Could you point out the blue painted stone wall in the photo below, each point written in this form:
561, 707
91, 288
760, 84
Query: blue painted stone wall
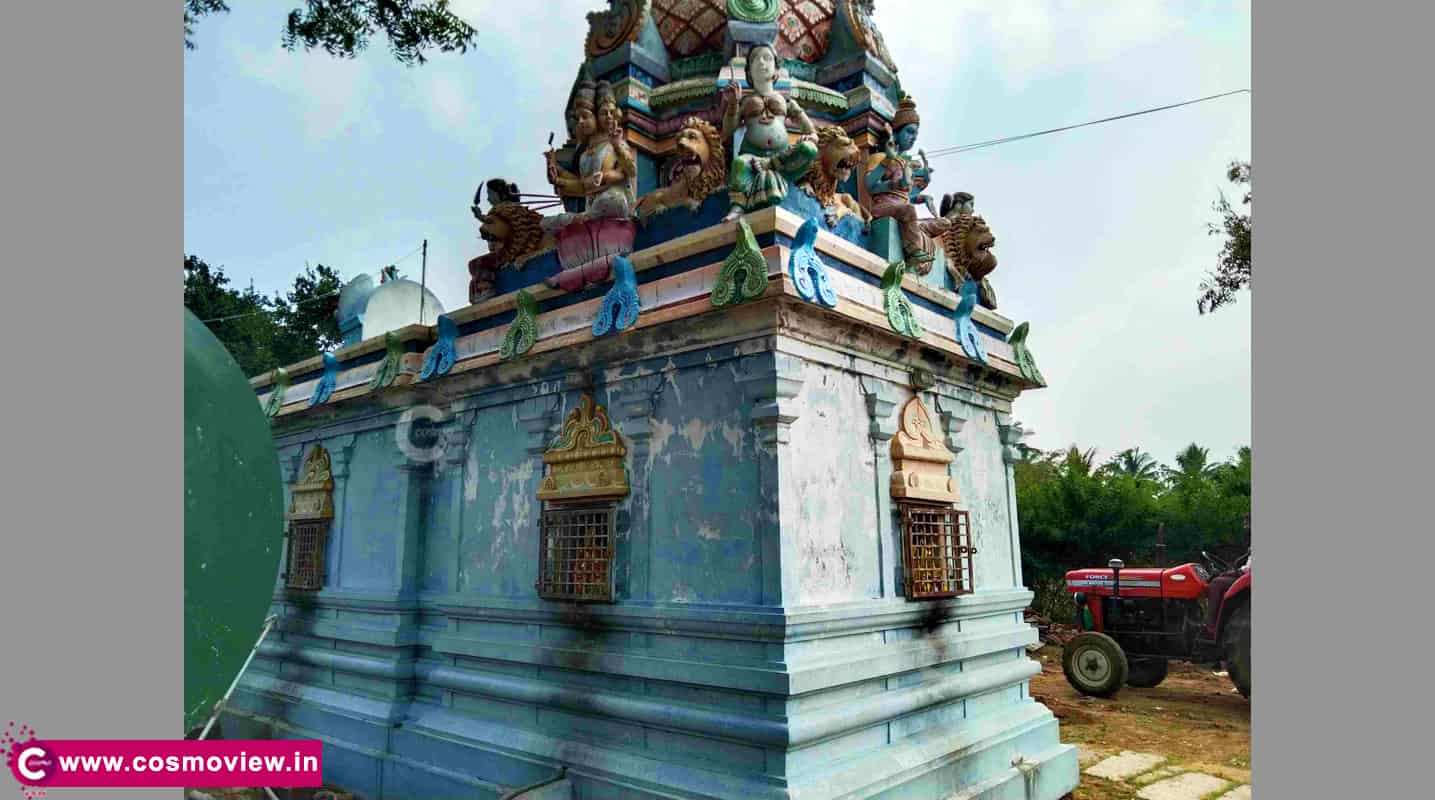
760, 646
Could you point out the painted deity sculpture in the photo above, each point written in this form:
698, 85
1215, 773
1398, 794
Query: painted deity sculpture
921, 179
766, 161
836, 157
892, 186
589, 240
699, 169
607, 167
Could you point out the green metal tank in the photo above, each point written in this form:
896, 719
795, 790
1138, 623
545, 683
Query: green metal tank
233, 520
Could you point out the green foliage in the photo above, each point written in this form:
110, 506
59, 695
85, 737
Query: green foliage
343, 28
193, 10
305, 317
261, 332
239, 319
1073, 514
1233, 269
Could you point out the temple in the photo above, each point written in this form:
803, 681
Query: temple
708, 491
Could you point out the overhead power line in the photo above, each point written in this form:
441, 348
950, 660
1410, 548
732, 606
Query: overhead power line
966, 148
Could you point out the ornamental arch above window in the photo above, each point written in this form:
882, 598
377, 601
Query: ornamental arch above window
937, 552
585, 481
311, 510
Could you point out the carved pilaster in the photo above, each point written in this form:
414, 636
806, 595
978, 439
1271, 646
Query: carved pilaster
1011, 433
881, 407
949, 411
636, 406
341, 450
881, 402
456, 436
537, 416
772, 383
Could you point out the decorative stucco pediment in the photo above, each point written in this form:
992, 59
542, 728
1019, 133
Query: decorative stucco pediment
585, 462
920, 458
312, 496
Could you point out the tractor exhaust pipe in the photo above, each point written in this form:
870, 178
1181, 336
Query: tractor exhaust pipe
1116, 566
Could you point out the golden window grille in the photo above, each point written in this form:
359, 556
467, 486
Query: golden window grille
936, 550
576, 553
305, 569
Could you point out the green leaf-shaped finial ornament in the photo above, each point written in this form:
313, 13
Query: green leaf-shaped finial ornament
746, 261
899, 309
1024, 360
389, 369
523, 331
275, 400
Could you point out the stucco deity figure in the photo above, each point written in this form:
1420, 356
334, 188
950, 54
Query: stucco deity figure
607, 167
893, 185
766, 161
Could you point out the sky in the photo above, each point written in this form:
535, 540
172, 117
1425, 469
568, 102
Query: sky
294, 158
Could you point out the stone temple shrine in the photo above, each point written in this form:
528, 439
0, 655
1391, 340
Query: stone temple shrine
708, 491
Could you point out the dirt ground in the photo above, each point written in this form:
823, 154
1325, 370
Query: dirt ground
1195, 718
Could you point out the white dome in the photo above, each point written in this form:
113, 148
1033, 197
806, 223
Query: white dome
395, 304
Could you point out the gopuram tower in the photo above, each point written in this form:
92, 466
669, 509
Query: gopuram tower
708, 492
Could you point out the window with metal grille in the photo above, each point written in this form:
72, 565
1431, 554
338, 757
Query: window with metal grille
936, 550
576, 553
306, 554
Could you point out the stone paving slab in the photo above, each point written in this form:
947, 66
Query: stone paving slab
1188, 786
1238, 793
1086, 756
1124, 765
1156, 775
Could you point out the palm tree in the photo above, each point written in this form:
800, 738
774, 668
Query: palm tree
1135, 463
1079, 461
1191, 463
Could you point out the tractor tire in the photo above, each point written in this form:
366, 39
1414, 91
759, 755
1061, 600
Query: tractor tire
1237, 646
1146, 673
1094, 664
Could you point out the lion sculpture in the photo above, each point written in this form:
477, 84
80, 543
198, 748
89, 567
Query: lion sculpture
968, 243
699, 170
514, 234
836, 157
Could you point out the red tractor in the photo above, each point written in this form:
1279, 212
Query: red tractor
1133, 621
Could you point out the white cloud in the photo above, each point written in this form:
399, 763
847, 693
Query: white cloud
332, 92
1021, 40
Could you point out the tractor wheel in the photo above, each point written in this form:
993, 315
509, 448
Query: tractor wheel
1094, 664
1145, 673
1237, 644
